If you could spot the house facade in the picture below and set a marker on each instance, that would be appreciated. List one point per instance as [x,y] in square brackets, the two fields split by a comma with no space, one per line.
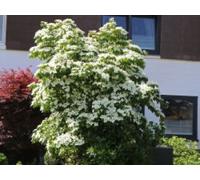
[173,59]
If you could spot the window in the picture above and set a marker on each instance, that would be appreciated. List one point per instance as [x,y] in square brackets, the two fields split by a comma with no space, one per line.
[143,30]
[181,116]
[2,31]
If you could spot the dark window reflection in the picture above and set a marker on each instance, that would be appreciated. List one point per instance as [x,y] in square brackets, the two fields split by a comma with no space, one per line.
[179,117]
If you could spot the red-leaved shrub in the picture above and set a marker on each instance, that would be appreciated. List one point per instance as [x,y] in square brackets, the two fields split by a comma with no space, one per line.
[13,84]
[17,117]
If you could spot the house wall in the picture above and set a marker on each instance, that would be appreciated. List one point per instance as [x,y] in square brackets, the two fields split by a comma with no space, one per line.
[180,37]
[177,71]
[12,59]
[177,35]
[21,29]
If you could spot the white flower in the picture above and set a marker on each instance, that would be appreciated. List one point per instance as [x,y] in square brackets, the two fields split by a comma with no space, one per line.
[69,34]
[79,142]
[144,88]
[105,76]
[130,86]
[67,139]
[64,139]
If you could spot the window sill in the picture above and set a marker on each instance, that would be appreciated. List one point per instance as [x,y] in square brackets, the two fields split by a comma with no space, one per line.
[149,56]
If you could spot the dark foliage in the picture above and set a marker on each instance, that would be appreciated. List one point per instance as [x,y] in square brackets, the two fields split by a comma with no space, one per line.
[17,118]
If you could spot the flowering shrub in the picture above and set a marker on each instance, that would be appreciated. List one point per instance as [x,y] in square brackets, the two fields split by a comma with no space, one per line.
[95,89]
[184,150]
[13,84]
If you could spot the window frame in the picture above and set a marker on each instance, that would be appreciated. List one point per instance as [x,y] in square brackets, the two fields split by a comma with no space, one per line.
[3,42]
[156,51]
[194,100]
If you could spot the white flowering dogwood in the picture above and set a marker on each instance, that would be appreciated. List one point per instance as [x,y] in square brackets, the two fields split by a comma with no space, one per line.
[94,89]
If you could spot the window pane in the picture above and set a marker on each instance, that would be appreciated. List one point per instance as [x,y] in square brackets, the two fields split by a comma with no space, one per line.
[121,20]
[179,117]
[1,27]
[143,32]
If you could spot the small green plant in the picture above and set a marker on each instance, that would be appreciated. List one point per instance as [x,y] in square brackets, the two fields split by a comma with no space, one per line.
[184,150]
[19,163]
[3,159]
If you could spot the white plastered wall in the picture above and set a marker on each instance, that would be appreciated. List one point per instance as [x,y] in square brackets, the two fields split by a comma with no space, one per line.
[11,59]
